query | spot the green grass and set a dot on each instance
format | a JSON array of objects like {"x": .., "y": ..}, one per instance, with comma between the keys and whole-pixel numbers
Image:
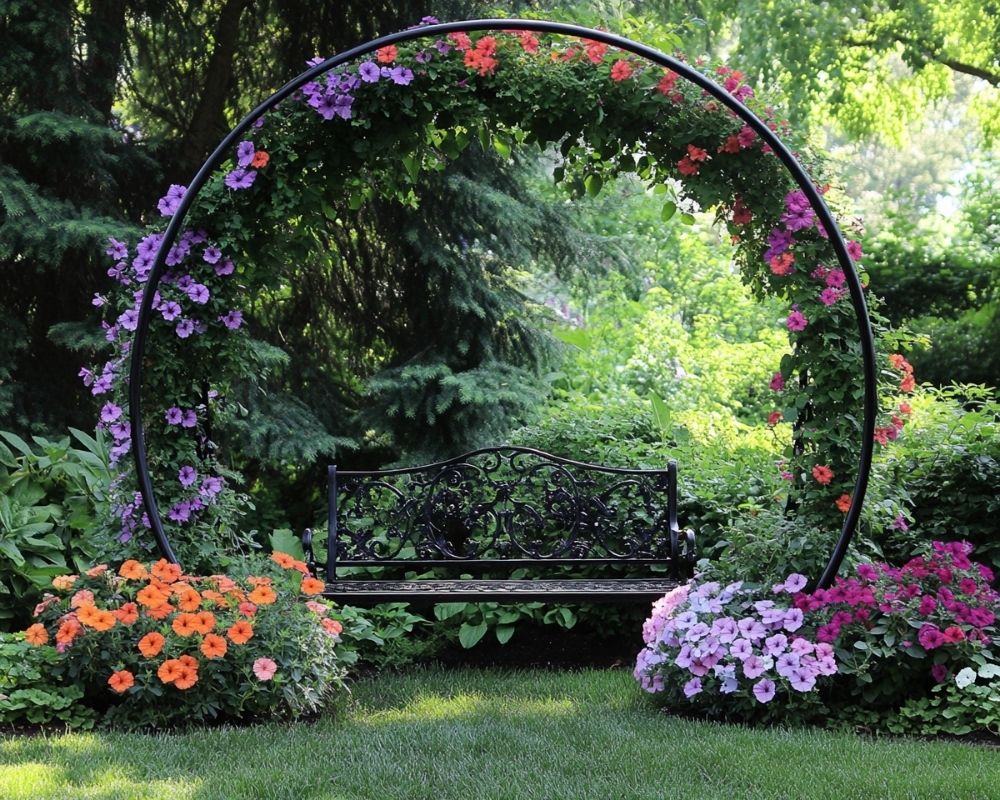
[{"x": 478, "y": 735}]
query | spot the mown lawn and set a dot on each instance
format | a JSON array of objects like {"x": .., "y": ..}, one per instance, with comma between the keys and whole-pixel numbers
[{"x": 485, "y": 734}]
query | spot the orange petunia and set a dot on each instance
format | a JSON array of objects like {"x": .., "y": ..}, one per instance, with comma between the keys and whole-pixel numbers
[
  {"x": 121, "y": 681},
  {"x": 127, "y": 614},
  {"x": 260, "y": 159},
  {"x": 225, "y": 583},
  {"x": 84, "y": 597},
  {"x": 240, "y": 632},
  {"x": 188, "y": 600},
  {"x": 151, "y": 597},
  {"x": 214, "y": 646},
  {"x": 844, "y": 503},
  {"x": 104, "y": 621},
  {"x": 188, "y": 661},
  {"x": 204, "y": 621},
  {"x": 165, "y": 571},
  {"x": 312, "y": 586},
  {"x": 301, "y": 567},
  {"x": 64, "y": 581},
  {"x": 36, "y": 635},
  {"x": 263, "y": 596},
  {"x": 94, "y": 572},
  {"x": 161, "y": 612},
  {"x": 283, "y": 560},
  {"x": 822, "y": 474},
  {"x": 68, "y": 631},
  {"x": 213, "y": 598},
  {"x": 259, "y": 580},
  {"x": 151, "y": 644},
  {"x": 186, "y": 679},
  {"x": 132, "y": 570},
  {"x": 170, "y": 670},
  {"x": 331, "y": 626},
  {"x": 185, "y": 624},
  {"x": 88, "y": 615}
]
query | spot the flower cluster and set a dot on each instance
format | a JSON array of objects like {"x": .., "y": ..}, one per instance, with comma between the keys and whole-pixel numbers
[
  {"x": 926, "y": 619},
  {"x": 144, "y": 631},
  {"x": 723, "y": 641}
]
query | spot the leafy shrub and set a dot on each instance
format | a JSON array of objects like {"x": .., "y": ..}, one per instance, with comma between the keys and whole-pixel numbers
[
  {"x": 947, "y": 468},
  {"x": 53, "y": 501},
  {"x": 154, "y": 647},
  {"x": 29, "y": 692}
]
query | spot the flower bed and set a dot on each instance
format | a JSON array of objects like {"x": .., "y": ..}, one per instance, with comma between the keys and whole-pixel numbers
[
  {"x": 887, "y": 647},
  {"x": 151, "y": 646}
]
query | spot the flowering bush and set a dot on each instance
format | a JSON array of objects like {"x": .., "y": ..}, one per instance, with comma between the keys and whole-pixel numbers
[
  {"x": 887, "y": 647},
  {"x": 726, "y": 652},
  {"x": 898, "y": 631},
  {"x": 153, "y": 646}
]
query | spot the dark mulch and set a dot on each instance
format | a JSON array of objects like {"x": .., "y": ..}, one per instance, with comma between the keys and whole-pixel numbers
[{"x": 549, "y": 647}]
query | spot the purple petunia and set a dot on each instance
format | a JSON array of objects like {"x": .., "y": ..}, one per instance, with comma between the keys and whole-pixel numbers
[
  {"x": 129, "y": 319},
  {"x": 741, "y": 649},
  {"x": 245, "y": 153},
  {"x": 225, "y": 267},
  {"x": 102, "y": 385},
  {"x": 240, "y": 178},
  {"x": 173, "y": 415},
  {"x": 98, "y": 300},
  {"x": 232, "y": 320},
  {"x": 180, "y": 512},
  {"x": 190, "y": 419},
  {"x": 110, "y": 412},
  {"x": 793, "y": 619},
  {"x": 210, "y": 487},
  {"x": 778, "y": 240},
  {"x": 423, "y": 57},
  {"x": 198, "y": 292},
  {"x": 764, "y": 691},
  {"x": 86, "y": 375},
  {"x": 185, "y": 328},
  {"x": 117, "y": 250},
  {"x": 170, "y": 310},
  {"x": 121, "y": 431},
  {"x": 692, "y": 687},
  {"x": 369, "y": 72},
  {"x": 171, "y": 201},
  {"x": 755, "y": 666},
  {"x": 187, "y": 475},
  {"x": 212, "y": 254},
  {"x": 401, "y": 76}
]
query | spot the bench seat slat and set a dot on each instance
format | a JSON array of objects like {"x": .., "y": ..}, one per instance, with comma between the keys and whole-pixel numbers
[{"x": 620, "y": 590}]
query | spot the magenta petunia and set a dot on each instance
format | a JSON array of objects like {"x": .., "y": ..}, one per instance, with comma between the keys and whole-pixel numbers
[
  {"x": 777, "y": 382},
  {"x": 796, "y": 321}
]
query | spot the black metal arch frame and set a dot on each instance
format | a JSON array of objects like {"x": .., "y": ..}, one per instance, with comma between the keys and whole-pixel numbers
[{"x": 538, "y": 26}]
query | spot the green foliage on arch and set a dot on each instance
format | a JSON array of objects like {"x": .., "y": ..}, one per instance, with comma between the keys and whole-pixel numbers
[{"x": 372, "y": 133}]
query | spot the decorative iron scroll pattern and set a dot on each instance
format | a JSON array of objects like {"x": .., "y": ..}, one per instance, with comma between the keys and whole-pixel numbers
[{"x": 505, "y": 502}]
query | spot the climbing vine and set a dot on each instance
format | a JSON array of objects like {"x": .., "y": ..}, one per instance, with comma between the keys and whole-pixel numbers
[{"x": 368, "y": 132}]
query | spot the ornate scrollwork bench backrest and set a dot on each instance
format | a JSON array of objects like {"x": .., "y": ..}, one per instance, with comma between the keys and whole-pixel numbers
[{"x": 502, "y": 506}]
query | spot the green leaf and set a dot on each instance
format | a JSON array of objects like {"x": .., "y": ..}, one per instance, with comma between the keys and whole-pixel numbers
[
  {"x": 412, "y": 164},
  {"x": 501, "y": 147},
  {"x": 668, "y": 211},
  {"x": 469, "y": 635},
  {"x": 449, "y": 610},
  {"x": 687, "y": 219},
  {"x": 661, "y": 414},
  {"x": 17, "y": 442},
  {"x": 504, "y": 632},
  {"x": 285, "y": 541},
  {"x": 10, "y": 550},
  {"x": 593, "y": 184}
]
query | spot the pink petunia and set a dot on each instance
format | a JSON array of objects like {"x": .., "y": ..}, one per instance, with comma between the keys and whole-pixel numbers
[{"x": 264, "y": 669}]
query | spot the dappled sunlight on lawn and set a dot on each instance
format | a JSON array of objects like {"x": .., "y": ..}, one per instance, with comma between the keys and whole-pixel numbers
[{"x": 428, "y": 707}]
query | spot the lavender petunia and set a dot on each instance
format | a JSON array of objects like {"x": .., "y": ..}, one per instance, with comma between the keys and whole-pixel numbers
[
  {"x": 184, "y": 328},
  {"x": 244, "y": 153},
  {"x": 764, "y": 691},
  {"x": 225, "y": 267},
  {"x": 171, "y": 201},
  {"x": 401, "y": 76},
  {"x": 232, "y": 320},
  {"x": 198, "y": 292},
  {"x": 240, "y": 178},
  {"x": 692, "y": 687},
  {"x": 369, "y": 72},
  {"x": 117, "y": 250},
  {"x": 212, "y": 254},
  {"x": 187, "y": 475},
  {"x": 110, "y": 412},
  {"x": 189, "y": 419},
  {"x": 129, "y": 319},
  {"x": 170, "y": 310}
]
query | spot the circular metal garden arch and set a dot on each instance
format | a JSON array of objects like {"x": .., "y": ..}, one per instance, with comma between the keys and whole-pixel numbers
[{"x": 536, "y": 26}]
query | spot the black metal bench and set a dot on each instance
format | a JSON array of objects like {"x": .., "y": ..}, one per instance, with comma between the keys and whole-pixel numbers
[{"x": 497, "y": 510}]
